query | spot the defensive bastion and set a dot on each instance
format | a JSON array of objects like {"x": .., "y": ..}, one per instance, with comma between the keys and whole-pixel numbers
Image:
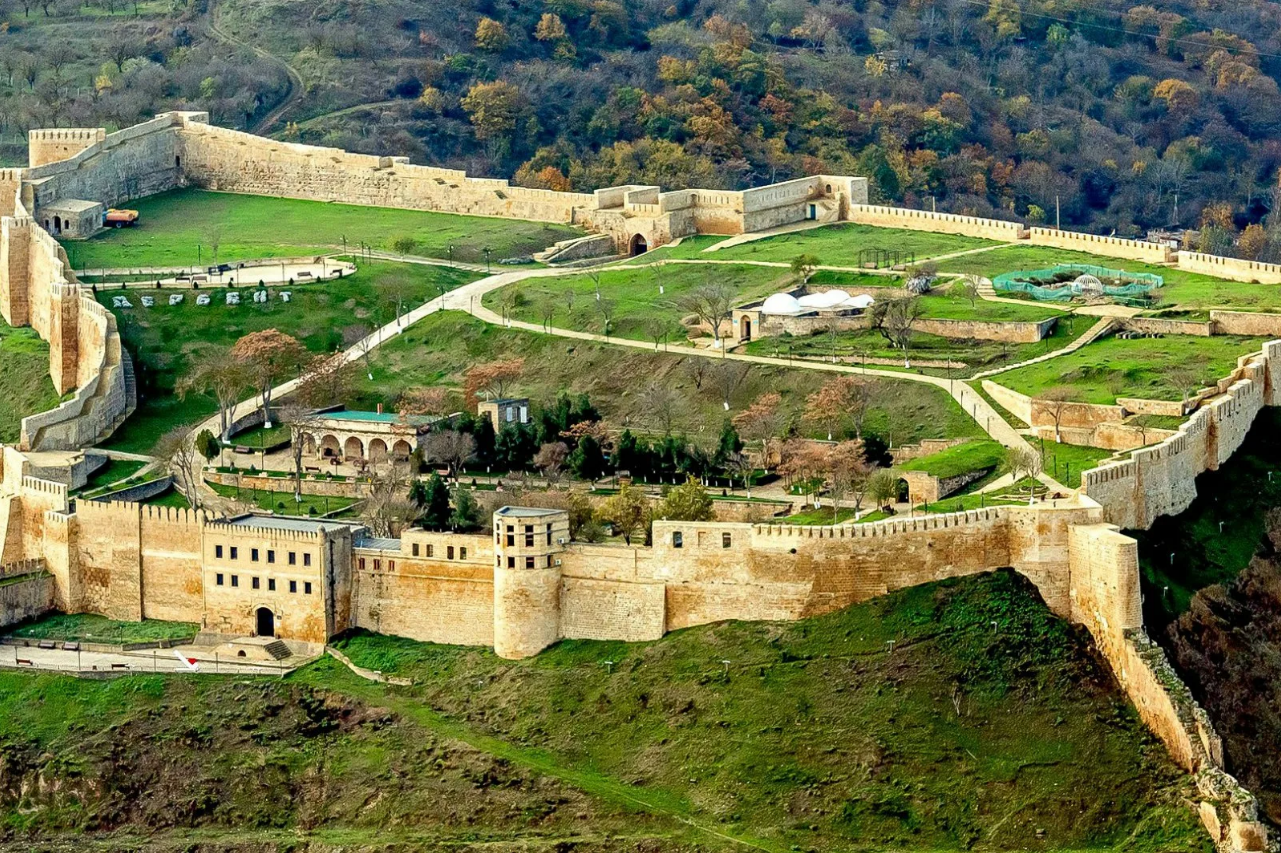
[{"x": 522, "y": 593}]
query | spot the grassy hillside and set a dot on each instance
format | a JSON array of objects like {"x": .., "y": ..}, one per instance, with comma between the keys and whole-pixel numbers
[
  {"x": 25, "y": 386},
  {"x": 172, "y": 225},
  {"x": 165, "y": 339},
  {"x": 946, "y": 717},
  {"x": 777, "y": 737},
  {"x": 438, "y": 350}
]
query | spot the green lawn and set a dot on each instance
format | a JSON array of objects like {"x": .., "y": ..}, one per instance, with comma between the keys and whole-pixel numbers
[
  {"x": 25, "y": 386},
  {"x": 1182, "y": 291},
  {"x": 958, "y": 460},
  {"x": 87, "y": 627},
  {"x": 438, "y": 350},
  {"x": 634, "y": 295},
  {"x": 839, "y": 245},
  {"x": 1067, "y": 462},
  {"x": 855, "y": 708},
  {"x": 172, "y": 224},
  {"x": 165, "y": 340},
  {"x": 283, "y": 503},
  {"x": 977, "y": 356},
  {"x": 1114, "y": 367},
  {"x": 940, "y": 304},
  {"x": 820, "y": 516},
  {"x": 113, "y": 472}
]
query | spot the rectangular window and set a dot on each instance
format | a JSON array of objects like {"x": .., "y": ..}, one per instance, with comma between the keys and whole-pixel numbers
[
  {"x": 725, "y": 540},
  {"x": 549, "y": 561},
  {"x": 529, "y": 562},
  {"x": 462, "y": 553},
  {"x": 511, "y": 562},
  {"x": 511, "y": 541},
  {"x": 306, "y": 559},
  {"x": 293, "y": 558},
  {"x": 271, "y": 584},
  {"x": 253, "y": 582},
  {"x": 235, "y": 580},
  {"x": 529, "y": 528},
  {"x": 306, "y": 588},
  {"x": 449, "y": 552},
  {"x": 391, "y": 565},
  {"x": 415, "y": 549},
  {"x": 218, "y": 551},
  {"x": 549, "y": 534},
  {"x": 271, "y": 556},
  {"x": 510, "y": 528},
  {"x": 678, "y": 540},
  {"x": 253, "y": 555},
  {"x": 431, "y": 551},
  {"x": 293, "y": 586},
  {"x": 218, "y": 579},
  {"x": 378, "y": 564},
  {"x": 235, "y": 553},
  {"x": 362, "y": 564}
]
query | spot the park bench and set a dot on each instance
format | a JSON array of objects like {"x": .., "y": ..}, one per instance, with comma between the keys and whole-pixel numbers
[
  {"x": 311, "y": 469},
  {"x": 24, "y": 662},
  {"x": 47, "y": 644},
  {"x": 120, "y": 666},
  {"x": 71, "y": 647}
]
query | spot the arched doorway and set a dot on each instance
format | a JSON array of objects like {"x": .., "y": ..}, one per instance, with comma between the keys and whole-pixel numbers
[
  {"x": 377, "y": 450},
  {"x": 309, "y": 444},
  {"x": 639, "y": 245},
  {"x": 329, "y": 446},
  {"x": 401, "y": 449},
  {"x": 266, "y": 622},
  {"x": 57, "y": 225},
  {"x": 745, "y": 329},
  {"x": 352, "y": 448}
]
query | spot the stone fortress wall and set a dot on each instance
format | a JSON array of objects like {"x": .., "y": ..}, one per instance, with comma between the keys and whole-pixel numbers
[{"x": 134, "y": 562}]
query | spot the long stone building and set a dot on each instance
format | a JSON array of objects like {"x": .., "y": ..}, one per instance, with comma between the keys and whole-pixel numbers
[{"x": 523, "y": 584}]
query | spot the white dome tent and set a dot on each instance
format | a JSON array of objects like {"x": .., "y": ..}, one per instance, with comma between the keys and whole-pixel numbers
[{"x": 781, "y": 304}]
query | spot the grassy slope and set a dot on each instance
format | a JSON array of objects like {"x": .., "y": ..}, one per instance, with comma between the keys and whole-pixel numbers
[
  {"x": 635, "y": 296},
  {"x": 25, "y": 386},
  {"x": 1213, "y": 540},
  {"x": 88, "y": 627},
  {"x": 164, "y": 340},
  {"x": 961, "y": 459},
  {"x": 839, "y": 245},
  {"x": 813, "y": 735},
  {"x": 1113, "y": 367},
  {"x": 173, "y": 223},
  {"x": 441, "y": 347}
]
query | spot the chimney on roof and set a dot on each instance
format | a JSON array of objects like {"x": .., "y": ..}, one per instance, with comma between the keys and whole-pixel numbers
[{"x": 380, "y": 408}]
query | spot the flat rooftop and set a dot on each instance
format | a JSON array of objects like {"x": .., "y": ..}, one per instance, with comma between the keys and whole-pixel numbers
[
  {"x": 287, "y": 522},
  {"x": 378, "y": 418},
  {"x": 526, "y": 512}
]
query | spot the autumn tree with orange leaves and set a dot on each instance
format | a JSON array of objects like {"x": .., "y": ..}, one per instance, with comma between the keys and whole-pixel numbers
[
  {"x": 271, "y": 357},
  {"x": 492, "y": 378}
]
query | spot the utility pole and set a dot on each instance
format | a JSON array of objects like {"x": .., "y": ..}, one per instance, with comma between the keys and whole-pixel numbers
[{"x": 1058, "y": 223}]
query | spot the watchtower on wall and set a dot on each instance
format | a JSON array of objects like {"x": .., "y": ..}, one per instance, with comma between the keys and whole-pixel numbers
[
  {"x": 527, "y": 577},
  {"x": 54, "y": 144}
]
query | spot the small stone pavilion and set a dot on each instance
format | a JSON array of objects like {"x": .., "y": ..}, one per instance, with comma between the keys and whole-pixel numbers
[{"x": 373, "y": 436}]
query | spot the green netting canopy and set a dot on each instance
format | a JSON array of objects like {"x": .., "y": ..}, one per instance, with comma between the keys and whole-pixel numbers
[{"x": 1067, "y": 281}]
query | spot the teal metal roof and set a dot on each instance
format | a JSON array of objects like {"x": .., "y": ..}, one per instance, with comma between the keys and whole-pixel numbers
[{"x": 379, "y": 417}]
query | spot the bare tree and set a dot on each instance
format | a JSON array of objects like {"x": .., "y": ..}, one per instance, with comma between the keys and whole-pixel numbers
[
  {"x": 1186, "y": 377},
  {"x": 388, "y": 510},
  {"x": 605, "y": 307},
  {"x": 1056, "y": 402},
  {"x": 657, "y": 330},
  {"x": 358, "y": 336},
  {"x": 216, "y": 372},
  {"x": 547, "y": 310},
  {"x": 452, "y": 447},
  {"x": 550, "y": 459},
  {"x": 847, "y": 475},
  {"x": 178, "y": 454},
  {"x": 896, "y": 319},
  {"x": 711, "y": 304},
  {"x": 300, "y": 420},
  {"x": 659, "y": 402},
  {"x": 729, "y": 376},
  {"x": 328, "y": 379}
]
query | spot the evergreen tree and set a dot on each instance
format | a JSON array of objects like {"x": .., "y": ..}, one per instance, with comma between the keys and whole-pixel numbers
[
  {"x": 728, "y": 445},
  {"x": 483, "y": 432},
  {"x": 436, "y": 516},
  {"x": 515, "y": 447},
  {"x": 466, "y": 515},
  {"x": 418, "y": 493},
  {"x": 687, "y": 502},
  {"x": 587, "y": 461}
]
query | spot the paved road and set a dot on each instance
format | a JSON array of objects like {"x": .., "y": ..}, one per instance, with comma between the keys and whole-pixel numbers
[{"x": 150, "y": 660}]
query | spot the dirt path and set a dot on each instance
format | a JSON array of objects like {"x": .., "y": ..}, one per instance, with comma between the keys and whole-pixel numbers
[{"x": 297, "y": 88}]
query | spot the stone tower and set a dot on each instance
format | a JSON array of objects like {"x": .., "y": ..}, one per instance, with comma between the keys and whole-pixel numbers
[{"x": 527, "y": 574}]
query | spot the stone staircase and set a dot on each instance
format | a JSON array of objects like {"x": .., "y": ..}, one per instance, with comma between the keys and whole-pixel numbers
[
  {"x": 278, "y": 650},
  {"x": 577, "y": 249},
  {"x": 1098, "y": 330}
]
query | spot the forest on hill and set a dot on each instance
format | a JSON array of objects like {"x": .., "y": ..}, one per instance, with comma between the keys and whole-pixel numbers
[{"x": 1114, "y": 116}]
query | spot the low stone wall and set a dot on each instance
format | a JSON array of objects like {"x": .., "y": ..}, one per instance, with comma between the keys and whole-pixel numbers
[
  {"x": 942, "y": 223},
  {"x": 1163, "y": 326},
  {"x": 978, "y": 330},
  {"x": 1019, "y": 405},
  {"x": 905, "y": 453},
  {"x": 310, "y": 485},
  {"x": 139, "y": 493},
  {"x": 1246, "y": 323}
]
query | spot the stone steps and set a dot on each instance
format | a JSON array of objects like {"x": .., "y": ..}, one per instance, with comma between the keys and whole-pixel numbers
[{"x": 277, "y": 650}]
